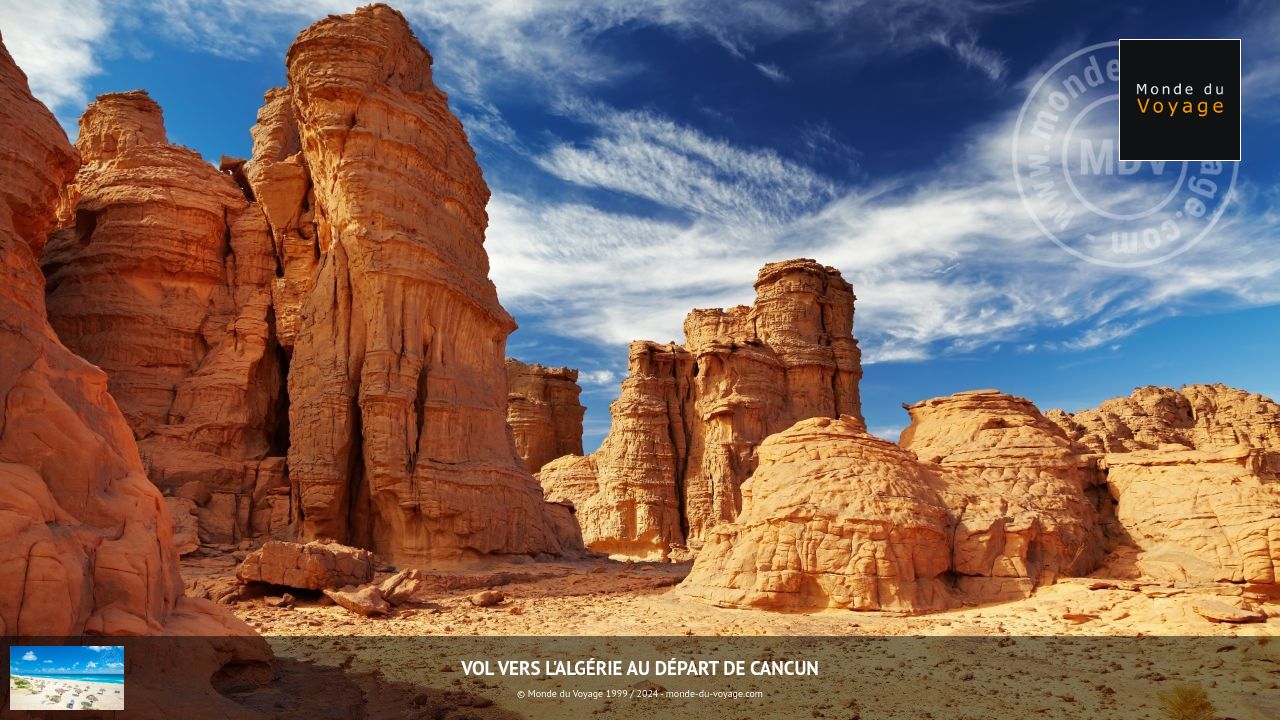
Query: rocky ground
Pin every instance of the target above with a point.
(1073, 646)
(604, 597)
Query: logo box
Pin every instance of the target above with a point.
(1180, 100)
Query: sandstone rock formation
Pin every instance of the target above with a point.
(396, 384)
(1021, 494)
(985, 500)
(86, 540)
(1193, 474)
(161, 275)
(313, 566)
(687, 425)
(833, 517)
(327, 300)
(543, 412)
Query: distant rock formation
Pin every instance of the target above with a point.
(984, 501)
(396, 383)
(544, 412)
(161, 275)
(86, 541)
(1193, 474)
(690, 417)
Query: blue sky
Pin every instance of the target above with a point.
(647, 157)
(67, 659)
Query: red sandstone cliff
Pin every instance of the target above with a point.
(162, 277)
(87, 543)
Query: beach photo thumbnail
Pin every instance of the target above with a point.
(66, 677)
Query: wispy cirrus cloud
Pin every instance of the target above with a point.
(943, 261)
(553, 45)
(630, 152)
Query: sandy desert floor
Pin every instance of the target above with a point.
(604, 597)
(1105, 647)
(57, 694)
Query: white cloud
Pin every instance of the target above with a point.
(103, 648)
(488, 47)
(942, 262)
(598, 377)
(987, 61)
(91, 665)
(947, 261)
(29, 656)
(649, 156)
(54, 42)
(47, 662)
(773, 72)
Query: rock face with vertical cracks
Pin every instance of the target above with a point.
(161, 274)
(544, 412)
(984, 501)
(397, 384)
(690, 417)
(86, 541)
(1193, 473)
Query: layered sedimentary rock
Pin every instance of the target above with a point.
(544, 412)
(690, 417)
(984, 500)
(832, 518)
(161, 275)
(87, 542)
(1021, 493)
(1193, 474)
(397, 384)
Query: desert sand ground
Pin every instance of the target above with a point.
(58, 694)
(1106, 648)
(599, 597)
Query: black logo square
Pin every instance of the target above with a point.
(1179, 100)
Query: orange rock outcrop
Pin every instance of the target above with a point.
(1021, 493)
(832, 518)
(161, 275)
(1193, 477)
(86, 540)
(397, 385)
(690, 417)
(544, 412)
(985, 500)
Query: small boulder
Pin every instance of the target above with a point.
(313, 566)
(401, 587)
(487, 598)
(365, 601)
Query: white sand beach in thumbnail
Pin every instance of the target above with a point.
(46, 693)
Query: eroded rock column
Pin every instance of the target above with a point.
(397, 382)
